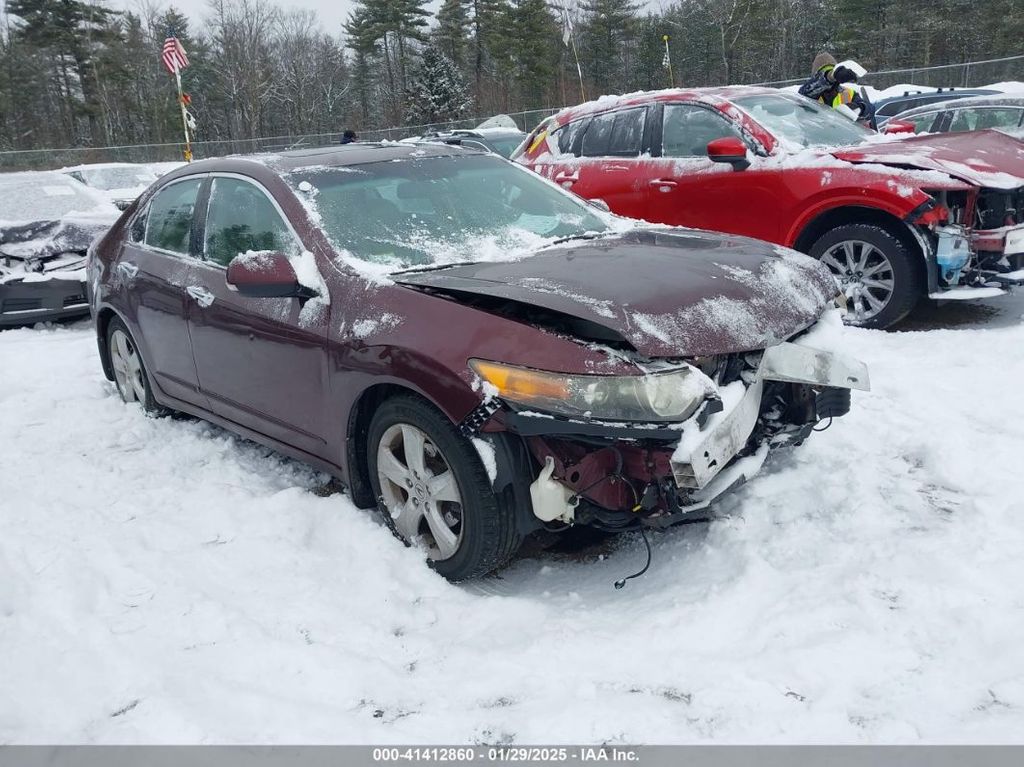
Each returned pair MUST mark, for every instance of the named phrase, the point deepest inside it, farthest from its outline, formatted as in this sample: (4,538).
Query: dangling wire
(620,583)
(815,428)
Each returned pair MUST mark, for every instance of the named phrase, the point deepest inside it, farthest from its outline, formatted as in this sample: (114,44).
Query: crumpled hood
(669,293)
(987,158)
(42,239)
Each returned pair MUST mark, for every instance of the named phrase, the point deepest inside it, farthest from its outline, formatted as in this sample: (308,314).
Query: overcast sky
(332,13)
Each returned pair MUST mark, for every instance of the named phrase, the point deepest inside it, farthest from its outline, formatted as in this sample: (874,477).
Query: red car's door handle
(567,179)
(664,184)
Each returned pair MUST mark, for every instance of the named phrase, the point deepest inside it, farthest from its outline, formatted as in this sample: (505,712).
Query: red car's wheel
(875,271)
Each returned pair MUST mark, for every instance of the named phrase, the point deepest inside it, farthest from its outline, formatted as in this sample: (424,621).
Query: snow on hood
(668,293)
(987,158)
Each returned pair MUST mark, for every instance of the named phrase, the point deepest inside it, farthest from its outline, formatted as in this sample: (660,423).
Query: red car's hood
(985,158)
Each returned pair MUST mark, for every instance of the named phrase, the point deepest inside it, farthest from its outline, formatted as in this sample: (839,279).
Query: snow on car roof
(972,101)
(711,95)
(44,195)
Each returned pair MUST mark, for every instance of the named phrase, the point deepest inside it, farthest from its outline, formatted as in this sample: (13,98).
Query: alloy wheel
(128,375)
(864,274)
(420,491)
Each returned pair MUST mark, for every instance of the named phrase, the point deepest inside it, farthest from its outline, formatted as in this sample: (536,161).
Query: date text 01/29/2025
(470,754)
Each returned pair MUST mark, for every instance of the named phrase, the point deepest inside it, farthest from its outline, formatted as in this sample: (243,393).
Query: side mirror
(731,150)
(898,126)
(265,275)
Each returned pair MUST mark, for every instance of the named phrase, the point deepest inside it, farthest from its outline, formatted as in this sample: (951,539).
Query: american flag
(173,55)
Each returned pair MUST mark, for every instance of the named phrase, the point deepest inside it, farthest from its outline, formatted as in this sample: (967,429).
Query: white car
(118,182)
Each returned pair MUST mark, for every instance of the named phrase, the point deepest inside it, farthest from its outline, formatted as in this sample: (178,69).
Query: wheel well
(358,432)
(102,323)
(831,219)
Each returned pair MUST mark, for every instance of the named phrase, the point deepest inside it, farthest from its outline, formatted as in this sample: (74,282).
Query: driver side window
(241,218)
(687,130)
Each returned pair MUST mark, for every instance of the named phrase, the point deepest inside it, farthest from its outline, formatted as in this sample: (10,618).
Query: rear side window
(921,122)
(565,137)
(169,226)
(979,119)
(687,130)
(620,134)
(241,218)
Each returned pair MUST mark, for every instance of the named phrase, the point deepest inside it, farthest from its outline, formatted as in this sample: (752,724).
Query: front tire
(130,374)
(874,269)
(433,490)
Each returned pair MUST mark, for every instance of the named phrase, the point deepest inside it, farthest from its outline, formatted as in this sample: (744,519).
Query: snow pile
(163,581)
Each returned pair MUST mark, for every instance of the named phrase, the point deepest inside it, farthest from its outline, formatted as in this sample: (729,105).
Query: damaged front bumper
(617,476)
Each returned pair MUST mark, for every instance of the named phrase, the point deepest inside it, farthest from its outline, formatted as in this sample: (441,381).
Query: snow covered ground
(163,581)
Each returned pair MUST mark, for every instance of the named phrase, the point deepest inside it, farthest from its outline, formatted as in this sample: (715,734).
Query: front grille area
(20,304)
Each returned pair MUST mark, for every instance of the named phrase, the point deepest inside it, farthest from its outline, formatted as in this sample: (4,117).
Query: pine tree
(73,32)
(452,29)
(437,92)
(608,33)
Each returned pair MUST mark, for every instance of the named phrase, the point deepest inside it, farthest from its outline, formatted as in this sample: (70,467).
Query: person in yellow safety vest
(828,85)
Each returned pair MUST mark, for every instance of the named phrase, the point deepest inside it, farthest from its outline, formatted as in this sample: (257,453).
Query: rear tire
(130,374)
(879,275)
(432,489)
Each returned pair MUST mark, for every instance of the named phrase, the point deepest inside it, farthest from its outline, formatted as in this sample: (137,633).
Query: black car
(887,108)
(47,222)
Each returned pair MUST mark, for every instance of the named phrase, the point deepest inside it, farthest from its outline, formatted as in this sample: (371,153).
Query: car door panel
(156,270)
(612,167)
(689,189)
(260,361)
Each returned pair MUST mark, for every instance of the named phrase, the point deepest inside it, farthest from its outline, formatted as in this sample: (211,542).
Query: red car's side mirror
(265,275)
(899,126)
(731,150)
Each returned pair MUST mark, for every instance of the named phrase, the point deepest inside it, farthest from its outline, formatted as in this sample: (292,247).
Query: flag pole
(579,69)
(668,63)
(184,114)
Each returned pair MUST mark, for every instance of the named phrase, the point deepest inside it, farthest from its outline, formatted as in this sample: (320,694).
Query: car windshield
(433,211)
(798,120)
(504,146)
(117,178)
(37,197)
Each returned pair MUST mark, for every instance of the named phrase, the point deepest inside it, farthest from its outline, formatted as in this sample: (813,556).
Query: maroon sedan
(461,342)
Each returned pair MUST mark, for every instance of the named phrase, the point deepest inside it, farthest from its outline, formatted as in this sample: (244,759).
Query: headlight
(670,396)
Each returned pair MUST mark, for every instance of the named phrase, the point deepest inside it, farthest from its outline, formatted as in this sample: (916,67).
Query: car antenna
(622,582)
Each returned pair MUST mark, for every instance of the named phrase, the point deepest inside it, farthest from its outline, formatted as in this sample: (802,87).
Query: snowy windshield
(117,177)
(503,146)
(798,120)
(41,197)
(441,210)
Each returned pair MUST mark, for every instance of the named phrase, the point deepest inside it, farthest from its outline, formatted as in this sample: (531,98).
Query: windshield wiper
(433,267)
(580,236)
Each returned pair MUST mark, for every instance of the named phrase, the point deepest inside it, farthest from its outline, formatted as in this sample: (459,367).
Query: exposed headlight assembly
(670,396)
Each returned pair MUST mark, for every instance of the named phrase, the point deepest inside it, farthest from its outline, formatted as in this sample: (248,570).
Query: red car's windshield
(800,121)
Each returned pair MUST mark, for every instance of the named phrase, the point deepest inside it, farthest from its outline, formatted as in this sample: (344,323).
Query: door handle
(567,179)
(664,184)
(128,269)
(202,296)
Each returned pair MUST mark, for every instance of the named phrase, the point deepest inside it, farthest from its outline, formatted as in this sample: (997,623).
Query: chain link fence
(969,74)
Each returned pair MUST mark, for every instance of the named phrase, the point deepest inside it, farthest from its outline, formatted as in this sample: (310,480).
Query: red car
(462,343)
(894,220)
